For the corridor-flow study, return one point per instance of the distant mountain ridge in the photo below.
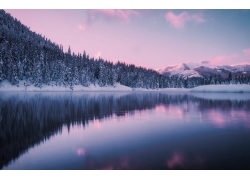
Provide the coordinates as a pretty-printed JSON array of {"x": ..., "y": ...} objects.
[{"x": 205, "y": 69}]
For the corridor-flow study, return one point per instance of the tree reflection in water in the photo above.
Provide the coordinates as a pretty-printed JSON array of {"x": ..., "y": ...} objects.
[{"x": 27, "y": 120}]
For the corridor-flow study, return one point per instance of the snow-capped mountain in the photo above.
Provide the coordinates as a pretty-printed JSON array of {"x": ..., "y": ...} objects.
[{"x": 205, "y": 69}]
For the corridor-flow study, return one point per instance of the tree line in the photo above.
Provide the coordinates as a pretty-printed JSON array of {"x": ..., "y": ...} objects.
[{"x": 33, "y": 59}]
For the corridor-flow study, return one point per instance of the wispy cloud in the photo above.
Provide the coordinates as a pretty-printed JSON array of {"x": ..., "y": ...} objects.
[
  {"x": 179, "y": 21},
  {"x": 82, "y": 27},
  {"x": 225, "y": 59},
  {"x": 239, "y": 58},
  {"x": 98, "y": 54},
  {"x": 120, "y": 15},
  {"x": 246, "y": 52},
  {"x": 123, "y": 16},
  {"x": 242, "y": 63}
]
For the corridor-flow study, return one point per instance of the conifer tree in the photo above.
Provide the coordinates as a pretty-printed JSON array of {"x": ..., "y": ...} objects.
[{"x": 1, "y": 70}]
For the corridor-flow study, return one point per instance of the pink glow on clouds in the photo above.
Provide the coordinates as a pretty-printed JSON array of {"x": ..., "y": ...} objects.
[
  {"x": 98, "y": 54},
  {"x": 82, "y": 27},
  {"x": 224, "y": 59},
  {"x": 119, "y": 14},
  {"x": 242, "y": 63},
  {"x": 247, "y": 52},
  {"x": 179, "y": 21},
  {"x": 148, "y": 42},
  {"x": 232, "y": 59}
]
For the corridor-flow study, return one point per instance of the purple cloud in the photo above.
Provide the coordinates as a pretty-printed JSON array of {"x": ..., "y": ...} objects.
[
  {"x": 82, "y": 27},
  {"x": 224, "y": 59},
  {"x": 233, "y": 58},
  {"x": 114, "y": 14},
  {"x": 179, "y": 21},
  {"x": 246, "y": 52}
]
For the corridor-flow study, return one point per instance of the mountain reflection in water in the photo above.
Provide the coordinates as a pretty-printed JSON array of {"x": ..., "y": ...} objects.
[{"x": 28, "y": 119}]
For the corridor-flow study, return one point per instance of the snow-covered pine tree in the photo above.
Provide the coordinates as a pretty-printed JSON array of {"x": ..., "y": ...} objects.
[
  {"x": 114, "y": 75},
  {"x": 38, "y": 74},
  {"x": 20, "y": 70},
  {"x": 85, "y": 80},
  {"x": 102, "y": 74},
  {"x": 76, "y": 71},
  {"x": 2, "y": 77},
  {"x": 46, "y": 79}
]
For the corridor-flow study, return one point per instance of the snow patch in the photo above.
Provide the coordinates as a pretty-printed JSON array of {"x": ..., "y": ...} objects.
[
  {"x": 185, "y": 69},
  {"x": 231, "y": 88},
  {"x": 222, "y": 96},
  {"x": 163, "y": 89},
  {"x": 6, "y": 86}
]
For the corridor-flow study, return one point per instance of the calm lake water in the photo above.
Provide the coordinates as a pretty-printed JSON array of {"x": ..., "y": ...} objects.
[{"x": 117, "y": 130}]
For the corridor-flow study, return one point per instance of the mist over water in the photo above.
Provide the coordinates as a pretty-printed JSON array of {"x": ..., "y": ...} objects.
[{"x": 117, "y": 130}]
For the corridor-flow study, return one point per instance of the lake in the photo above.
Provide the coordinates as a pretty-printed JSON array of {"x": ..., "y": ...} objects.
[{"x": 124, "y": 130}]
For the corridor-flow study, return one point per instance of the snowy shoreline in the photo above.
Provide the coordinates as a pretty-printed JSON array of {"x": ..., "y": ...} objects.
[{"x": 230, "y": 88}]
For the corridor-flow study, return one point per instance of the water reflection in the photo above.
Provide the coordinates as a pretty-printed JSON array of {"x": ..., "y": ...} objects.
[
  {"x": 27, "y": 119},
  {"x": 180, "y": 161}
]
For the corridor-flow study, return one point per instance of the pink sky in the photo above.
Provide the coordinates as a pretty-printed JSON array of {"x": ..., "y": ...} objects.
[{"x": 149, "y": 38}]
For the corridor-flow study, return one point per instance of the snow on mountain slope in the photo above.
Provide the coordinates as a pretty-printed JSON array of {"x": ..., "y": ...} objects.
[
  {"x": 204, "y": 69},
  {"x": 183, "y": 69},
  {"x": 240, "y": 68},
  {"x": 178, "y": 68},
  {"x": 174, "y": 69}
]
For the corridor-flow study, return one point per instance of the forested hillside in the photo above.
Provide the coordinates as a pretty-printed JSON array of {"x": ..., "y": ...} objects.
[
  {"x": 29, "y": 58},
  {"x": 25, "y": 55}
]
